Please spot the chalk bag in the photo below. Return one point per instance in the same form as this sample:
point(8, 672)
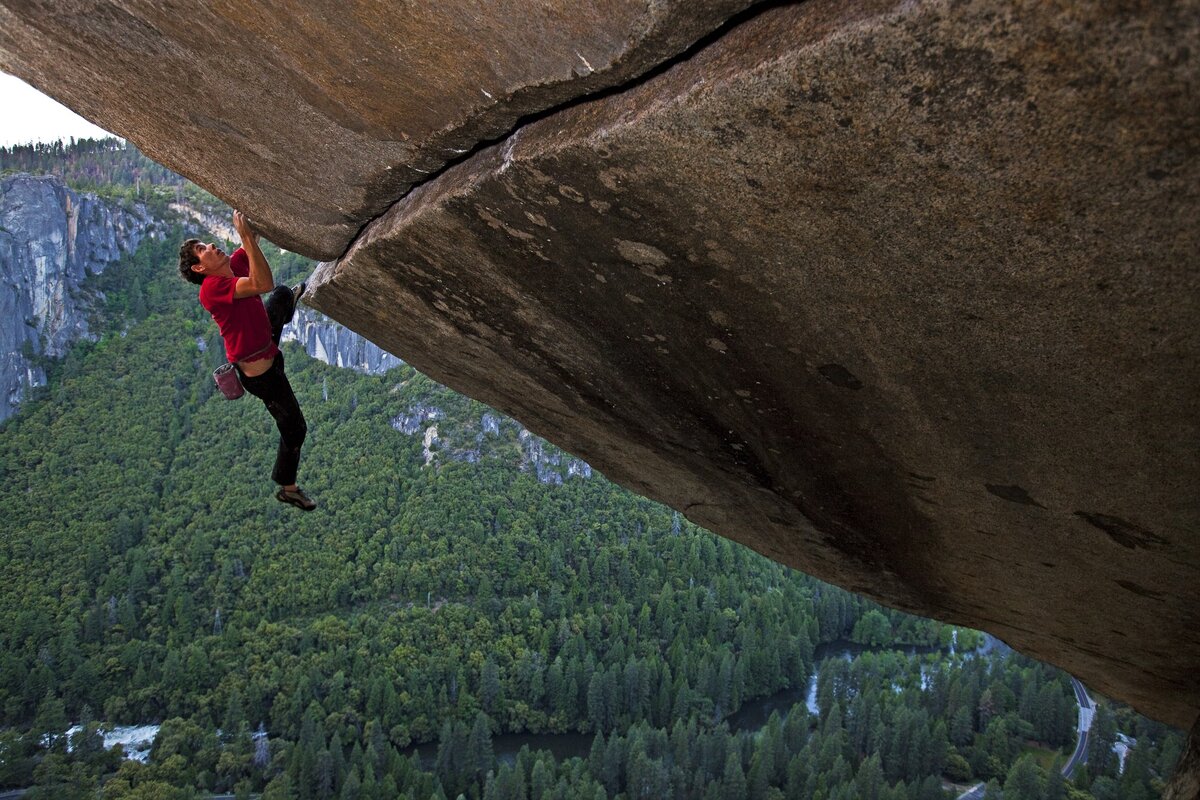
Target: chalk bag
point(228, 381)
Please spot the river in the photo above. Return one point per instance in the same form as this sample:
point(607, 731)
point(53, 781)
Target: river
point(752, 716)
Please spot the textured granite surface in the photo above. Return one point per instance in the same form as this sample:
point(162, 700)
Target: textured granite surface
point(312, 117)
point(905, 295)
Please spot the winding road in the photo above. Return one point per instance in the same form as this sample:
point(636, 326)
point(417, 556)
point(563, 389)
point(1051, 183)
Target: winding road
point(1087, 710)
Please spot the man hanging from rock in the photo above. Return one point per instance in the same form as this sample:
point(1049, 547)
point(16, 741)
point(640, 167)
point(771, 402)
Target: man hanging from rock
point(229, 290)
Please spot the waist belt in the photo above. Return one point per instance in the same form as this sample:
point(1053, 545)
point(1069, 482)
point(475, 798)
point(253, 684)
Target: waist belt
point(259, 351)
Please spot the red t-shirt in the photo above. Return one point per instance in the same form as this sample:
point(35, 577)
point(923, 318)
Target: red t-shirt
point(244, 323)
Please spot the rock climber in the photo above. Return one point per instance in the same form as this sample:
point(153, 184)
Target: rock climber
point(230, 289)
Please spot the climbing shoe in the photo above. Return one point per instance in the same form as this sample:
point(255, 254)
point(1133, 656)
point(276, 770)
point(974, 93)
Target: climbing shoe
point(296, 498)
point(297, 293)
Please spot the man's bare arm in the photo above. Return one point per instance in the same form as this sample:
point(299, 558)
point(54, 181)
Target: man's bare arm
point(260, 279)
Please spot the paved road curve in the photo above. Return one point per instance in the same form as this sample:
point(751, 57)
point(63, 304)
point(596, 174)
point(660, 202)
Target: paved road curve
point(974, 793)
point(1087, 710)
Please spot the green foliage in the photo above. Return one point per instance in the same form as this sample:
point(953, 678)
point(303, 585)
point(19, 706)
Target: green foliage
point(95, 165)
point(1024, 781)
point(110, 168)
point(957, 769)
point(1101, 758)
point(872, 629)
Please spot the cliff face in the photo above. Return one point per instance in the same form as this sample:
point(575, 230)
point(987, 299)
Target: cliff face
point(880, 290)
point(449, 439)
point(903, 294)
point(51, 239)
point(336, 344)
point(333, 133)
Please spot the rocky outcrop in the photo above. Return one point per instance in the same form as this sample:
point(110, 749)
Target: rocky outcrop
point(547, 462)
point(314, 116)
point(1185, 785)
point(51, 239)
point(335, 344)
point(445, 440)
point(215, 221)
point(417, 418)
point(903, 294)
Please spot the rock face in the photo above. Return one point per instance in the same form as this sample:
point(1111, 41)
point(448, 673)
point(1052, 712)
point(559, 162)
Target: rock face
point(51, 239)
point(314, 116)
point(1185, 785)
point(337, 345)
point(471, 441)
point(904, 294)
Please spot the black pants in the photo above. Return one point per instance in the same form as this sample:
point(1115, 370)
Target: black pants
point(273, 389)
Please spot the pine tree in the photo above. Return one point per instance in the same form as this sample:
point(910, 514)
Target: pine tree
point(870, 780)
point(541, 780)
point(1024, 780)
point(50, 724)
point(1056, 783)
point(338, 758)
point(596, 755)
point(323, 779)
point(479, 758)
point(614, 757)
point(597, 706)
point(1101, 759)
point(489, 688)
point(733, 779)
point(353, 787)
point(234, 717)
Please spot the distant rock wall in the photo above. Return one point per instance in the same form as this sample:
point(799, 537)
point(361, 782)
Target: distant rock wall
point(337, 345)
point(472, 440)
point(51, 239)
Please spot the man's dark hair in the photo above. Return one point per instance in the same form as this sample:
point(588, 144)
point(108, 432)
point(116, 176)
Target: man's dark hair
point(187, 259)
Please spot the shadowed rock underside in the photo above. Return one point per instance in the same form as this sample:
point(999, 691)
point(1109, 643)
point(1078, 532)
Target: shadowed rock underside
point(899, 294)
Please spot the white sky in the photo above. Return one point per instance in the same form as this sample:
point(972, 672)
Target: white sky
point(27, 115)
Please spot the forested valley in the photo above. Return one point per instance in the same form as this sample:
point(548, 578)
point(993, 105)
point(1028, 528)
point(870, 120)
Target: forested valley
point(449, 591)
